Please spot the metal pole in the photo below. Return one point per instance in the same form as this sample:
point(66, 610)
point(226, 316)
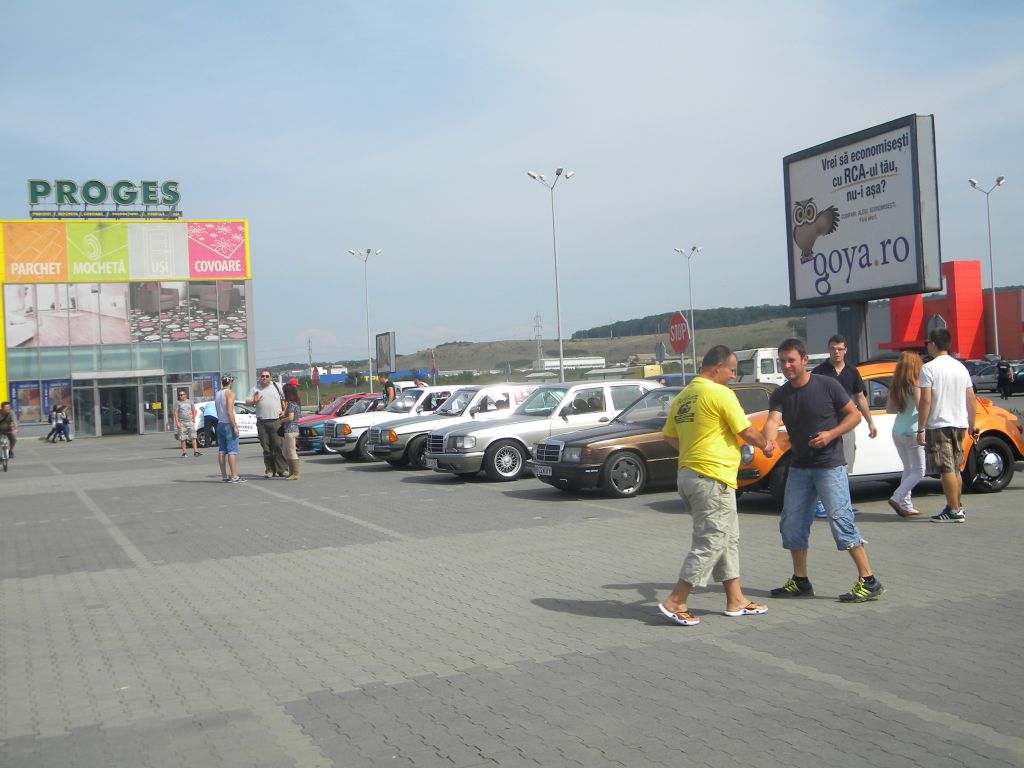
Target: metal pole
point(366, 302)
point(693, 331)
point(991, 271)
point(558, 304)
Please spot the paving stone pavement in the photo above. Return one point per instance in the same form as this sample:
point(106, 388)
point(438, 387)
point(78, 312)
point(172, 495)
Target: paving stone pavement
point(363, 616)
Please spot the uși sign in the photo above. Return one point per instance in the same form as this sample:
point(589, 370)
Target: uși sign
point(94, 192)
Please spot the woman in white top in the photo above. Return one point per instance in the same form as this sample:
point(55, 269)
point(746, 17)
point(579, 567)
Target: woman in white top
point(904, 397)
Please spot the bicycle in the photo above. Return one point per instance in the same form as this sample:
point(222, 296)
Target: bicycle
point(5, 450)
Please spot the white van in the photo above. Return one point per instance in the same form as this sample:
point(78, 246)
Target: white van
point(762, 365)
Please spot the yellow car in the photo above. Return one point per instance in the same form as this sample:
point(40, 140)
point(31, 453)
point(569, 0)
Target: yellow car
point(988, 464)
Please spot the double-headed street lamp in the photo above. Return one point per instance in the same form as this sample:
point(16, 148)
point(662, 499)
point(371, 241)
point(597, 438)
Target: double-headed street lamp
point(559, 174)
point(694, 250)
point(364, 256)
point(1000, 180)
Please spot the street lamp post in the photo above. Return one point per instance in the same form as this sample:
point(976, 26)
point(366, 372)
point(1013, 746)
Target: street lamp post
point(364, 256)
point(694, 250)
point(559, 174)
point(991, 271)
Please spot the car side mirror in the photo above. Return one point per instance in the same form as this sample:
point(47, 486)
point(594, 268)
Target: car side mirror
point(474, 411)
point(419, 409)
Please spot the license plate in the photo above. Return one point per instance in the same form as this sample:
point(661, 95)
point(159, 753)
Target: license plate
point(430, 463)
point(541, 470)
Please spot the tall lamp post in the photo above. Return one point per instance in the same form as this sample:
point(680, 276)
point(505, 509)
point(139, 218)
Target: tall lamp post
point(559, 174)
point(1000, 180)
point(694, 250)
point(364, 256)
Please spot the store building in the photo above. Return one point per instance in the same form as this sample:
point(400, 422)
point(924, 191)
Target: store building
point(111, 318)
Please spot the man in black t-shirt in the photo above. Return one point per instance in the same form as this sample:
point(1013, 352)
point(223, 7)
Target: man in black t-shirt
point(1004, 374)
point(847, 375)
point(817, 412)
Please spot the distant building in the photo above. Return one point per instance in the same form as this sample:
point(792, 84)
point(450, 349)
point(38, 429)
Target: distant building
point(551, 363)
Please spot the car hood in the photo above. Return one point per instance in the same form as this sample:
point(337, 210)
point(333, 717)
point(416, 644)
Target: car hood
point(309, 421)
point(366, 419)
point(501, 425)
point(421, 423)
point(607, 432)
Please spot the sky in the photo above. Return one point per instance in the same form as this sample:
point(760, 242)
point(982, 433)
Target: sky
point(409, 127)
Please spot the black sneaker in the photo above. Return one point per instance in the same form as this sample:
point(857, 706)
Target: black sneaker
point(948, 515)
point(792, 589)
point(861, 592)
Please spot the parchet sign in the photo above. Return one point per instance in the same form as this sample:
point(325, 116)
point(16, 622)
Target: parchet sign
point(679, 333)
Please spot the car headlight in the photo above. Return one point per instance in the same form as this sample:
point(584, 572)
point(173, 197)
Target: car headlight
point(464, 442)
point(345, 429)
point(572, 455)
point(746, 453)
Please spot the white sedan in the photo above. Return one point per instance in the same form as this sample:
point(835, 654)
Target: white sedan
point(245, 418)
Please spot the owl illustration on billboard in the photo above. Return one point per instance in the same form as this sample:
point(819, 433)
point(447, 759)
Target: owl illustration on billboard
point(809, 225)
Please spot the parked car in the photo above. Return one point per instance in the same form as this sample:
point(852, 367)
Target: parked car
point(988, 464)
point(501, 449)
point(984, 378)
point(630, 453)
point(311, 428)
point(349, 434)
point(245, 418)
point(404, 442)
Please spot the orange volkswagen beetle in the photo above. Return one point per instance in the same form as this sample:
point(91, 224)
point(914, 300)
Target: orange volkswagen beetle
point(988, 464)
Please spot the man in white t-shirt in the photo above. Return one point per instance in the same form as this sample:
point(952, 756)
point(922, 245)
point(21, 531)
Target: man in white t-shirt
point(947, 411)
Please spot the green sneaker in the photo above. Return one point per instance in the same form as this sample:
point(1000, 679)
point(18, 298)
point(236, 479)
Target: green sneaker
point(861, 592)
point(792, 589)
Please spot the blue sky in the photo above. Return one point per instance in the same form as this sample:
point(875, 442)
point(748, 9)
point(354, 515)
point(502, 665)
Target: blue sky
point(410, 126)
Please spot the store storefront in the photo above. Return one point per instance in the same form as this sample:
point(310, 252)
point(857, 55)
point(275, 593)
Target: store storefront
point(110, 319)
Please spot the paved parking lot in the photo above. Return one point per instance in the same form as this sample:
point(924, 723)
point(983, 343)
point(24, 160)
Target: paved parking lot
point(363, 616)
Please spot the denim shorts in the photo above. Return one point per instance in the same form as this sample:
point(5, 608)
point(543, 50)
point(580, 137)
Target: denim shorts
point(803, 487)
point(227, 440)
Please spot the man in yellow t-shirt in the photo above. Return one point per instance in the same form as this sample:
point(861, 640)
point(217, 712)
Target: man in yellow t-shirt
point(704, 422)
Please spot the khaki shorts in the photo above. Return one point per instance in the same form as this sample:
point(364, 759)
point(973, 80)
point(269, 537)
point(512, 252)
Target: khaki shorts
point(187, 432)
point(944, 449)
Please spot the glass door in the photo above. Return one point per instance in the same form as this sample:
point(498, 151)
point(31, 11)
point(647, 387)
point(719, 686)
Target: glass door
point(155, 414)
point(83, 413)
point(119, 410)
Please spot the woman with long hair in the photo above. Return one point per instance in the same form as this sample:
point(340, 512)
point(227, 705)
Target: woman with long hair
point(290, 425)
point(904, 397)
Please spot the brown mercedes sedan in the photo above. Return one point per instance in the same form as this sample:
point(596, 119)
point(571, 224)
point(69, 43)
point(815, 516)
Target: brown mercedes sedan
point(629, 453)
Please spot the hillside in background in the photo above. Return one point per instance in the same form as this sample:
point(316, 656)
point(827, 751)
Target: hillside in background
point(719, 317)
point(487, 355)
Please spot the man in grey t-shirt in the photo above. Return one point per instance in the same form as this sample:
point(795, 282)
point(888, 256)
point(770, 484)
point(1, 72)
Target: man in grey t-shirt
point(266, 399)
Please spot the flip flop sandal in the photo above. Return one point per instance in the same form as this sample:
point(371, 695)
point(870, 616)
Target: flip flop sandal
point(750, 609)
point(682, 618)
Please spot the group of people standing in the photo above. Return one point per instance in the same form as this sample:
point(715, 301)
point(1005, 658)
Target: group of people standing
point(935, 408)
point(60, 425)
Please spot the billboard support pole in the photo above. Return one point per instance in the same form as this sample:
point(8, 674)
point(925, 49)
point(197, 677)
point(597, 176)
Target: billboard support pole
point(852, 322)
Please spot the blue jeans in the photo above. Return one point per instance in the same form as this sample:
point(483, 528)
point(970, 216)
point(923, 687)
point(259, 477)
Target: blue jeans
point(832, 486)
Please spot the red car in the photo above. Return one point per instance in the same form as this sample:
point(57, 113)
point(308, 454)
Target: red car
point(311, 428)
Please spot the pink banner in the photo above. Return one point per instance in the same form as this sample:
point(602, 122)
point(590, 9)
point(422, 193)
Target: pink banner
point(216, 250)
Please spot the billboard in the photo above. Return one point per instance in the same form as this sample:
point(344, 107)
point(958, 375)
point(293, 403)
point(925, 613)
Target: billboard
point(385, 351)
point(862, 215)
point(108, 251)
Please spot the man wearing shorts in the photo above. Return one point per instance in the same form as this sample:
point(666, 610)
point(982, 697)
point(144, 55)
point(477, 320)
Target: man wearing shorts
point(817, 413)
point(947, 411)
point(185, 422)
point(227, 432)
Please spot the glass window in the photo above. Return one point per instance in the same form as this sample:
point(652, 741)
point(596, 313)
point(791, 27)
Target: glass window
point(20, 315)
point(232, 311)
point(241, 386)
point(233, 356)
point(623, 395)
point(146, 356)
point(22, 364)
point(205, 356)
point(85, 358)
point(117, 357)
point(114, 313)
point(54, 315)
point(752, 400)
point(84, 317)
point(589, 400)
point(54, 362)
point(878, 394)
point(745, 368)
point(177, 358)
point(767, 365)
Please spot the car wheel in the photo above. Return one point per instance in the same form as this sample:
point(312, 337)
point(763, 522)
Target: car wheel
point(416, 453)
point(504, 461)
point(201, 439)
point(362, 451)
point(624, 474)
point(989, 465)
point(402, 462)
point(777, 482)
point(324, 449)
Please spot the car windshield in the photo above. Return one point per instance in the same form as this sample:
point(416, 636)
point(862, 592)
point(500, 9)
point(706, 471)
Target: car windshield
point(652, 407)
point(405, 401)
point(457, 403)
point(331, 407)
point(542, 402)
point(362, 406)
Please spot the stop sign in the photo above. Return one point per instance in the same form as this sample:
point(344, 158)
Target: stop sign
point(316, 377)
point(678, 333)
